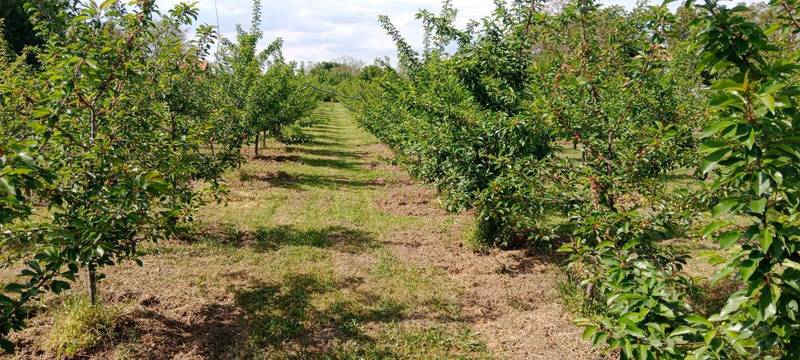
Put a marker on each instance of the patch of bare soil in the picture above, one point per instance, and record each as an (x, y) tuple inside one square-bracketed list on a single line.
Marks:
[(168, 316), (406, 199), (510, 297)]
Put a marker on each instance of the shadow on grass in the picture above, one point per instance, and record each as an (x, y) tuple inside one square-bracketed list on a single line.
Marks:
[(331, 163), (338, 238), (265, 318), (214, 331), (338, 164), (328, 152), (282, 319), (284, 180), (278, 158)]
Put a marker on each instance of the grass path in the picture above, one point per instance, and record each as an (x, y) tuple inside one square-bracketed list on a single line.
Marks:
[(325, 250)]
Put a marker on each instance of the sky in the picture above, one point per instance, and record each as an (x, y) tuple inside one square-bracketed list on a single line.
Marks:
[(320, 30)]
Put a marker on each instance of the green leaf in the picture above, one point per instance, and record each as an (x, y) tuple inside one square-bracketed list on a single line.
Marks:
[(714, 226), (716, 127), (791, 264), (700, 320), (765, 240), (7, 187), (768, 301), (681, 330), (6, 346), (733, 304), (758, 206), (58, 286), (778, 177), (41, 113), (768, 101), (604, 245), (631, 244), (15, 288), (710, 146), (724, 207), (710, 335), (566, 248), (643, 352), (748, 267), (750, 140), (589, 332), (107, 4), (710, 162), (628, 348), (727, 239), (729, 85)]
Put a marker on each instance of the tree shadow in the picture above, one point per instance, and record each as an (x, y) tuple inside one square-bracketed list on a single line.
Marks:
[(215, 331), (280, 317), (329, 127), (278, 158), (338, 238), (328, 138), (284, 180), (327, 152), (338, 164)]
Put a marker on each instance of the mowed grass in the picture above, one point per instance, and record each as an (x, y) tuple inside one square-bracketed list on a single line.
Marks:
[(321, 284), (291, 266)]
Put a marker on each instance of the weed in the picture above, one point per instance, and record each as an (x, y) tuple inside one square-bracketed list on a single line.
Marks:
[(79, 326)]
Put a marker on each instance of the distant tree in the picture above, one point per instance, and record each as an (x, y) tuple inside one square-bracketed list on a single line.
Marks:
[(330, 73), (350, 63), (371, 72)]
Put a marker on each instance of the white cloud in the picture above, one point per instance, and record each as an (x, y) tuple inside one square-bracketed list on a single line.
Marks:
[(318, 30)]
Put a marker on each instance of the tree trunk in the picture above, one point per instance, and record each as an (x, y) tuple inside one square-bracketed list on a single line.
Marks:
[(257, 142), (610, 173), (92, 284)]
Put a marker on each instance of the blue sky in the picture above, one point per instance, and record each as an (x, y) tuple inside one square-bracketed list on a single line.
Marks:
[(318, 30)]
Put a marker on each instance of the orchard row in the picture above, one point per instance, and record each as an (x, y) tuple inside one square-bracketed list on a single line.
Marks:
[(564, 125), (115, 128)]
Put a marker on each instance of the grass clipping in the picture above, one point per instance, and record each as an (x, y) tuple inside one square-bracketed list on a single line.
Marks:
[(79, 326)]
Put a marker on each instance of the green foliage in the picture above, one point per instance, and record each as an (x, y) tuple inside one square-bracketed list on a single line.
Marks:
[(486, 124), (460, 121), (752, 150), (749, 152)]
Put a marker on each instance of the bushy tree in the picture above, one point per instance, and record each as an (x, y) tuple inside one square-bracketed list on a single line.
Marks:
[(102, 134), (462, 120), (265, 93)]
